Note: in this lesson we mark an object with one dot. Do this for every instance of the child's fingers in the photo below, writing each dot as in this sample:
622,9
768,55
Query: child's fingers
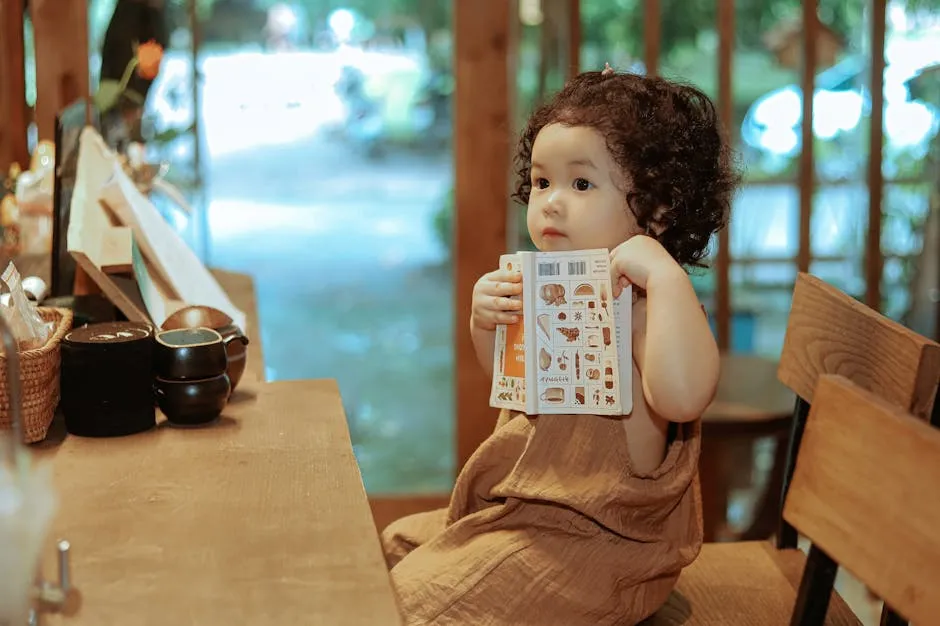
619,283
506,318
615,280
493,287
615,284
506,276
489,319
506,304
506,289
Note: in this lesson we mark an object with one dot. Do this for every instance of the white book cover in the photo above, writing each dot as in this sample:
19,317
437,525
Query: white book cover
572,350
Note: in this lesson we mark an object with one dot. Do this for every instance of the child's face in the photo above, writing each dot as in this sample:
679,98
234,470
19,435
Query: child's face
578,197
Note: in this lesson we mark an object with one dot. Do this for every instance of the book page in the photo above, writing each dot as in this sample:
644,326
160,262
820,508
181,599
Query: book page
508,390
623,321
576,340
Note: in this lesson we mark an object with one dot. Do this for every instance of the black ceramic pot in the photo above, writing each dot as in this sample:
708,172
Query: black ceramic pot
236,347
106,379
191,402
189,354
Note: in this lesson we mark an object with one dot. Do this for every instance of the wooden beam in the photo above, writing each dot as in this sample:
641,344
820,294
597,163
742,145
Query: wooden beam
807,175
574,38
726,110
61,41
651,36
13,121
195,28
874,261
482,134
515,235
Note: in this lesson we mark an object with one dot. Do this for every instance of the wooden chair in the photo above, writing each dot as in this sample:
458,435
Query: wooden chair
864,493
828,332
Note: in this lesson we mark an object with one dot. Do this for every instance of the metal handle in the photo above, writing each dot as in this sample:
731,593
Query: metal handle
62,597
65,574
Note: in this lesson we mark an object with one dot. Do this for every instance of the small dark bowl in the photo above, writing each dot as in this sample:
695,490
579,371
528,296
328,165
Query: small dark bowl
191,402
189,354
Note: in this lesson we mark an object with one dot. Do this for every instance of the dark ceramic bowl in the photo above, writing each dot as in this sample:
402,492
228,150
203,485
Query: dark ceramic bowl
192,402
189,354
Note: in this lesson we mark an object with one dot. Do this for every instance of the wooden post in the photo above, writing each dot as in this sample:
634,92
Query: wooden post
559,46
13,122
652,19
196,28
482,134
874,259
726,110
61,40
517,119
807,175
60,30
574,38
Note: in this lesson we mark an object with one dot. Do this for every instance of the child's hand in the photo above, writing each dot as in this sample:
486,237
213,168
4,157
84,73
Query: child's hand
635,260
492,303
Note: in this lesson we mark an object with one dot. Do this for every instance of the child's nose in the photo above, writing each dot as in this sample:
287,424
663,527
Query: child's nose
555,202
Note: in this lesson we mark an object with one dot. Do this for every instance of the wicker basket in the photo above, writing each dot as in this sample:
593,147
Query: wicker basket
39,371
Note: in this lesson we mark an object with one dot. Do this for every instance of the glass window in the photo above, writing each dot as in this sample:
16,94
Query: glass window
326,166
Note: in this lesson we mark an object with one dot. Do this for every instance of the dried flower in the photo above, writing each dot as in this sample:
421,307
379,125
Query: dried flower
149,56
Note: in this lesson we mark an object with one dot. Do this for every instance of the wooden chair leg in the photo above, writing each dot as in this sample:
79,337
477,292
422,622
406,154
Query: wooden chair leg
812,602
786,534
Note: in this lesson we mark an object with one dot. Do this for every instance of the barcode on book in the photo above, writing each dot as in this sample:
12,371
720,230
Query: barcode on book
577,268
549,269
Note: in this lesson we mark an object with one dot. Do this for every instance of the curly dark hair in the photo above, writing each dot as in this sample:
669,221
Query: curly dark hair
667,139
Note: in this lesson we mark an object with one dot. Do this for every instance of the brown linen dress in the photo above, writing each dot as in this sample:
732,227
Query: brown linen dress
549,524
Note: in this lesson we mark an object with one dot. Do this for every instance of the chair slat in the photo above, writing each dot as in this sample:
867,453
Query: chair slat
864,491
828,332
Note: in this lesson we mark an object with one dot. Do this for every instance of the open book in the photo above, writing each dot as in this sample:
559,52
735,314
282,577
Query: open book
571,351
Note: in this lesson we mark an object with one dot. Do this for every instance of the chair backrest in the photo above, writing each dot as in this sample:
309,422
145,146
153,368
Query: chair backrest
829,332
864,493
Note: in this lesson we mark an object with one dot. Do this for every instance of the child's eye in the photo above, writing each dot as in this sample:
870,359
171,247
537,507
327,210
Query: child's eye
582,184
541,183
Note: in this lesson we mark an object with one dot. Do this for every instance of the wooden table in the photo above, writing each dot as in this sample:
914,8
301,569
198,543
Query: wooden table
261,518
750,403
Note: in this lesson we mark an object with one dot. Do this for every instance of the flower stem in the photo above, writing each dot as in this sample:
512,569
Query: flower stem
128,72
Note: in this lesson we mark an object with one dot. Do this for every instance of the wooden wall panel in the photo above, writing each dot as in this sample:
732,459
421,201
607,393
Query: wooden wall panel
874,259
652,35
13,120
726,110
482,135
807,174
61,39
574,38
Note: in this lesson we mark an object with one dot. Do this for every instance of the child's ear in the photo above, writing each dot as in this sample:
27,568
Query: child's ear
657,224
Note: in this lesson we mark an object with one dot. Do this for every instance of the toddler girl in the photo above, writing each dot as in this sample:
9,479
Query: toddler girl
585,519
